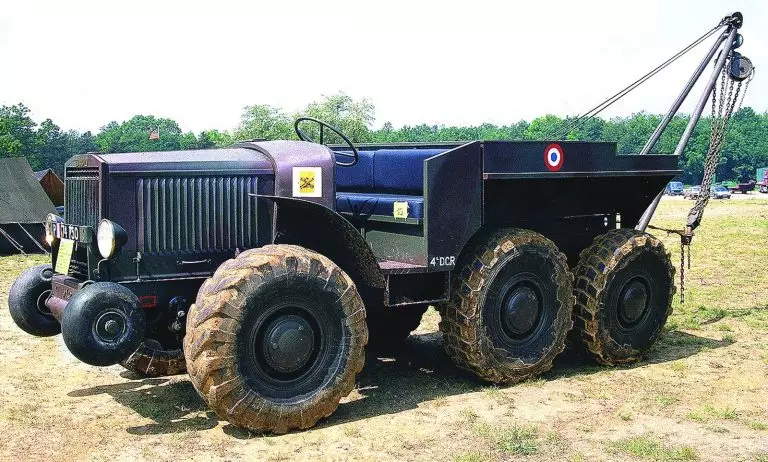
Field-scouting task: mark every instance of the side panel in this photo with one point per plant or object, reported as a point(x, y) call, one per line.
point(570, 211)
point(510, 159)
point(453, 202)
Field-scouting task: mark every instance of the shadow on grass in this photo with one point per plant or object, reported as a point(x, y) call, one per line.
point(172, 406)
point(390, 383)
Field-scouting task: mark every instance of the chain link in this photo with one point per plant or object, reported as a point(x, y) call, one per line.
point(723, 107)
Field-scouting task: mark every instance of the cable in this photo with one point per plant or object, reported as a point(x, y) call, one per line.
point(580, 120)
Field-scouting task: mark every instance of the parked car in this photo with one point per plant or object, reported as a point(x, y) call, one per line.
point(720, 192)
point(674, 188)
point(692, 192)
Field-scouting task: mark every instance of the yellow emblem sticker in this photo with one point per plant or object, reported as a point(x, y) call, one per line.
point(64, 257)
point(400, 210)
point(307, 182)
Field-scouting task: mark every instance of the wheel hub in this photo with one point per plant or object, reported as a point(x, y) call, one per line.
point(633, 302)
point(521, 311)
point(110, 326)
point(288, 343)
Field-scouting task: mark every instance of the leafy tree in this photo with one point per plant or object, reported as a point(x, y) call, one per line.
point(135, 135)
point(265, 122)
point(17, 131)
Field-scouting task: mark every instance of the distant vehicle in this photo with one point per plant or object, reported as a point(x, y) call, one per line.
point(720, 192)
point(674, 188)
point(743, 188)
point(692, 192)
point(762, 179)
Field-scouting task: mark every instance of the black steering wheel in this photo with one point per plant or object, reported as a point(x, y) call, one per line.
point(323, 125)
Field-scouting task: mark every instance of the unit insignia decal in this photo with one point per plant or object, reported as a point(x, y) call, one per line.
point(307, 182)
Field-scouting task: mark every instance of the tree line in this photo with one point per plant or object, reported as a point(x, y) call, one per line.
point(46, 145)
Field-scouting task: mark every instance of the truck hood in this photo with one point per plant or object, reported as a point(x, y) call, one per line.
point(230, 160)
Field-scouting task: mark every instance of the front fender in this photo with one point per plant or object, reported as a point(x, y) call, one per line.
point(316, 227)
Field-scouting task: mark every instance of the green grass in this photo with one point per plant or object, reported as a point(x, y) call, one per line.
point(515, 440)
point(519, 441)
point(470, 457)
point(755, 425)
point(666, 400)
point(650, 447)
point(709, 412)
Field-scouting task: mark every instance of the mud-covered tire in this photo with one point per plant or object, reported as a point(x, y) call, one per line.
point(26, 302)
point(624, 289)
point(151, 359)
point(389, 327)
point(239, 358)
point(511, 307)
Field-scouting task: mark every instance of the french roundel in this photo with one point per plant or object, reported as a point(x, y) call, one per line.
point(553, 157)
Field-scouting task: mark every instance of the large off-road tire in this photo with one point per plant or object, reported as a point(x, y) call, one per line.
point(276, 338)
point(511, 307)
point(152, 359)
point(389, 327)
point(26, 302)
point(624, 288)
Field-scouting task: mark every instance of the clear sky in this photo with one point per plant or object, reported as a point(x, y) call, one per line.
point(85, 63)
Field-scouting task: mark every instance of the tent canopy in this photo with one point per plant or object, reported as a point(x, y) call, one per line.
point(22, 199)
point(52, 185)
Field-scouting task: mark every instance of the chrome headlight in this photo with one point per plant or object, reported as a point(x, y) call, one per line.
point(110, 238)
point(50, 225)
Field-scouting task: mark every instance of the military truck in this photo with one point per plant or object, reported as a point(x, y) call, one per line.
point(265, 269)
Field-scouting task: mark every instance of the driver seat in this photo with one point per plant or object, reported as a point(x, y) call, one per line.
point(383, 182)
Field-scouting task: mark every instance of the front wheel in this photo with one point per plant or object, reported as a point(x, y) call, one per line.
point(276, 338)
point(624, 289)
point(511, 307)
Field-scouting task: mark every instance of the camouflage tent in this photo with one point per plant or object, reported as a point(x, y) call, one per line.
point(24, 206)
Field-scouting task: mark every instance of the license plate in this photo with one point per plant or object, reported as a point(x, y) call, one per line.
point(65, 231)
point(64, 257)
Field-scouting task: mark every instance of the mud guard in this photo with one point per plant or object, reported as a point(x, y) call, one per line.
point(316, 227)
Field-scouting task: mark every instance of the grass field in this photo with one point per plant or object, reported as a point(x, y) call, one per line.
point(702, 394)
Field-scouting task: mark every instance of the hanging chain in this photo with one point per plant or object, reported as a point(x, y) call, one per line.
point(723, 108)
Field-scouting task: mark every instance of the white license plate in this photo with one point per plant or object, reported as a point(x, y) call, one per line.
point(65, 231)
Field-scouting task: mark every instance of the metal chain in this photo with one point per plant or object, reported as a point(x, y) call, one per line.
point(682, 271)
point(722, 110)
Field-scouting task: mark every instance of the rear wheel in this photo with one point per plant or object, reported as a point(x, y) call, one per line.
point(511, 307)
point(275, 338)
point(624, 289)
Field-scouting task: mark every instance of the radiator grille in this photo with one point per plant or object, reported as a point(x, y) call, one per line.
point(180, 214)
point(82, 201)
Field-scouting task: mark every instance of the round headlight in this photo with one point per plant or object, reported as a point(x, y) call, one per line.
point(110, 237)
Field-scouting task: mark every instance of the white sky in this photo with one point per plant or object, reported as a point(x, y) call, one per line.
point(85, 63)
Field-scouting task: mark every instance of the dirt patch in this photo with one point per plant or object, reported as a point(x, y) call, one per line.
point(701, 394)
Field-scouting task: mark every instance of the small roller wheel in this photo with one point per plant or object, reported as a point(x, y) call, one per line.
point(511, 307)
point(26, 302)
point(276, 338)
point(624, 289)
point(103, 324)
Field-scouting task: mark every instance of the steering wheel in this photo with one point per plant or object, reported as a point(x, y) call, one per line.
point(323, 125)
